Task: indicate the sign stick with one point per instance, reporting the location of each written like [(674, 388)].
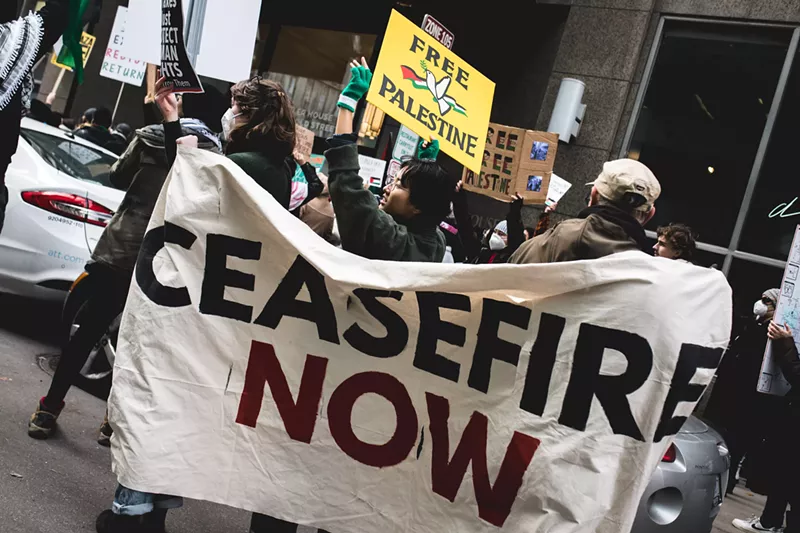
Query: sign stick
[(119, 97)]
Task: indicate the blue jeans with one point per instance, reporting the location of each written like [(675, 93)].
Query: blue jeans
[(131, 502)]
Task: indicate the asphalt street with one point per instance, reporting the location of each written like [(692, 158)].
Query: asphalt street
[(61, 485)]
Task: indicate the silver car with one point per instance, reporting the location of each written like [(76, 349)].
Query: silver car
[(686, 491)]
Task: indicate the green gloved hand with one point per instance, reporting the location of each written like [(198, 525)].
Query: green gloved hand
[(427, 149), (360, 78)]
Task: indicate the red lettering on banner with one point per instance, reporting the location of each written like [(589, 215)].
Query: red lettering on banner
[(494, 502), (340, 410), (300, 417)]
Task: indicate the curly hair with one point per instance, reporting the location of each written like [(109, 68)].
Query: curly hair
[(270, 126), (681, 238)]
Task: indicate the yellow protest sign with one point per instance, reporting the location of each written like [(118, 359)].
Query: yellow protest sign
[(87, 43), (432, 91)]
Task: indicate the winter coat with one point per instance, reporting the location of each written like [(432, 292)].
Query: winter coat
[(274, 176), (368, 231), (474, 249), (597, 232), (141, 170), (102, 138)]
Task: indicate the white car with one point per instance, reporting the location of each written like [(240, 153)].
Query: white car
[(60, 199)]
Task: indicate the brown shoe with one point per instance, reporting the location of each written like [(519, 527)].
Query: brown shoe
[(42, 424)]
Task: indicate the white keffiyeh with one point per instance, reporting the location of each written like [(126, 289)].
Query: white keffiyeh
[(19, 45)]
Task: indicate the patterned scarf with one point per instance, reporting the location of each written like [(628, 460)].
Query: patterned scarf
[(19, 45)]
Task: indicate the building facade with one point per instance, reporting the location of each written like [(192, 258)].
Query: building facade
[(702, 91)]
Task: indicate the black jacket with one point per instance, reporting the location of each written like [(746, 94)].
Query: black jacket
[(474, 249), (141, 170), (102, 137)]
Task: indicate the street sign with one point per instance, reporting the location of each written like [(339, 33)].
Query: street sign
[(433, 27)]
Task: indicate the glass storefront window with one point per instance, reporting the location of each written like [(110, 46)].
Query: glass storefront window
[(775, 210), (312, 66), (703, 117), (748, 281)]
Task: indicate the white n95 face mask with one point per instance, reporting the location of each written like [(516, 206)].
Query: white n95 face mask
[(228, 120), (496, 242), (760, 310)]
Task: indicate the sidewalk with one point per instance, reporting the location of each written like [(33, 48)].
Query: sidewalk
[(741, 504)]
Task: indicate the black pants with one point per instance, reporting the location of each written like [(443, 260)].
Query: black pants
[(266, 524), (774, 510), (109, 289)]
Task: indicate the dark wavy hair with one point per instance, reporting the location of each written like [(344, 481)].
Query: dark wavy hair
[(681, 238), (270, 126)]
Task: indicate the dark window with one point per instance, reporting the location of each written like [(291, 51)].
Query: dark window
[(749, 280), (703, 118), (775, 210), (72, 158)]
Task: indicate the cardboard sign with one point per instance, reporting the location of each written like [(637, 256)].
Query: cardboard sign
[(175, 64), (787, 312), (115, 64), (514, 161), (397, 397), (436, 29), (87, 44), (428, 88), (557, 189), (304, 141)]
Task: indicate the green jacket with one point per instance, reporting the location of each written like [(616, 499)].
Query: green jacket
[(364, 228)]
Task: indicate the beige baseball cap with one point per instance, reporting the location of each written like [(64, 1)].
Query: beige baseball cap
[(625, 176)]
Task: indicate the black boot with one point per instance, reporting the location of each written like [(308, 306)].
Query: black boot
[(156, 521), (108, 522)]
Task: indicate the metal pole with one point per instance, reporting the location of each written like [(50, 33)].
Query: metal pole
[(762, 150), (116, 106)]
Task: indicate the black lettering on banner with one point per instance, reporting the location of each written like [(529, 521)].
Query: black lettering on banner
[(432, 329), (585, 382), (433, 56), (472, 143), (690, 359), (218, 276), (396, 337), (153, 242), (399, 98), (489, 346), (417, 44), (541, 362), (284, 302)]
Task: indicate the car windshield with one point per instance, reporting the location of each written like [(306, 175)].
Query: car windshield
[(72, 158)]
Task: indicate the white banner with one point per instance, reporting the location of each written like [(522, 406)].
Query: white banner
[(262, 368)]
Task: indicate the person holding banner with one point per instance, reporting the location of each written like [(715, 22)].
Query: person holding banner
[(141, 171), (404, 227), (259, 129), (22, 42), (621, 202)]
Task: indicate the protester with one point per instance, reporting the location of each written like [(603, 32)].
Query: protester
[(259, 129), (141, 170), (621, 202), (96, 128), (404, 226), (507, 236), (787, 463), (318, 213), (306, 184), (22, 42), (675, 241), (124, 132), (735, 405)]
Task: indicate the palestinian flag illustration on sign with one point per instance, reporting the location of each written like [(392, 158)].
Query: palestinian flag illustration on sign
[(437, 88)]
